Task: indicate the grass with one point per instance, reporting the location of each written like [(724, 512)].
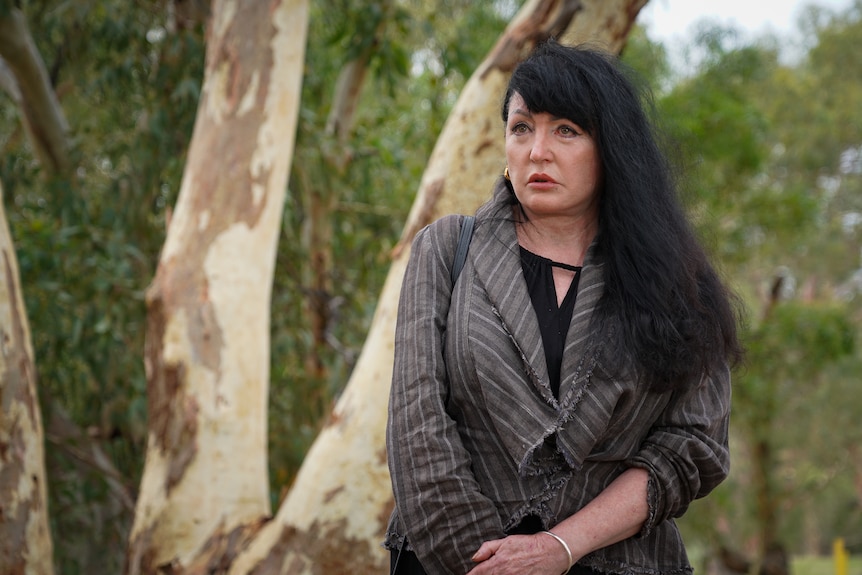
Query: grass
[(822, 565)]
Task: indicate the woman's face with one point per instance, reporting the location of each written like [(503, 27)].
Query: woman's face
[(553, 164)]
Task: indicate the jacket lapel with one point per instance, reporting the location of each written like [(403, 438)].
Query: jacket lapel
[(579, 338), (498, 267), (496, 262)]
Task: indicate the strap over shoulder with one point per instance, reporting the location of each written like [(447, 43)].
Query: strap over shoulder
[(463, 245)]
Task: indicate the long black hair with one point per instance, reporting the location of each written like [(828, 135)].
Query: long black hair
[(669, 310)]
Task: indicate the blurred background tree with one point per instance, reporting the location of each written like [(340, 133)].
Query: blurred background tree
[(351, 188), (773, 152), (88, 241), (128, 78)]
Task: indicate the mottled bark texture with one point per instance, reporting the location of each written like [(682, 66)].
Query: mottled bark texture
[(334, 516), (25, 538), (204, 491), (202, 505)]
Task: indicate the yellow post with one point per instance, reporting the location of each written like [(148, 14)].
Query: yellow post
[(839, 552)]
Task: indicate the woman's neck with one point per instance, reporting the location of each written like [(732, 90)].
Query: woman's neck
[(561, 239)]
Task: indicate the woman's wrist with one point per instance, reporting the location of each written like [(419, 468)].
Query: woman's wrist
[(565, 546)]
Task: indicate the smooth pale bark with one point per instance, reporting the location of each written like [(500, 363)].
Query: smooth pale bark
[(334, 516), (43, 117), (204, 490), (25, 538)]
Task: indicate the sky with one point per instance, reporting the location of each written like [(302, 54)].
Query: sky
[(672, 21)]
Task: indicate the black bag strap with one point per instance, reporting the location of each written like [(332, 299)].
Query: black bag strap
[(464, 237), (463, 246)]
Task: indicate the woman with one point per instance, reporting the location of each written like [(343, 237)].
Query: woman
[(554, 409)]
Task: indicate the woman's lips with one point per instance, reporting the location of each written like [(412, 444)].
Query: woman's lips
[(541, 181)]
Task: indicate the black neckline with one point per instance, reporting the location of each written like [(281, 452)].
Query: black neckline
[(551, 262)]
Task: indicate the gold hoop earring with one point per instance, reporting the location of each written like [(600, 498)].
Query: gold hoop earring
[(506, 174)]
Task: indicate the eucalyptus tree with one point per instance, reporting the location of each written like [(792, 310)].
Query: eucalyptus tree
[(25, 538), (324, 507), (108, 215), (814, 185), (332, 262), (94, 132)]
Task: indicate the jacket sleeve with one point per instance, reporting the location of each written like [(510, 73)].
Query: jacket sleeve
[(437, 498), (686, 451)]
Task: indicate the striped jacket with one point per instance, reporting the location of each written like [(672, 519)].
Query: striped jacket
[(476, 440)]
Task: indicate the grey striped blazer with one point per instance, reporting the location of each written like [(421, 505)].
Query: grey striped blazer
[(476, 440)]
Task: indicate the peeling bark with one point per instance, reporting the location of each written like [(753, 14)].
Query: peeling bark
[(548, 19), (325, 553), (204, 491), (203, 325), (220, 550), (25, 539), (461, 149), (341, 498)]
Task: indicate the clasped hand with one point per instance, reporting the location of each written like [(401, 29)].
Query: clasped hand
[(520, 554)]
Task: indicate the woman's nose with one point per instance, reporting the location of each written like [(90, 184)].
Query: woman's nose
[(540, 150)]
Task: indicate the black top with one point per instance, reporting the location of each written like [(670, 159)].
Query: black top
[(553, 320)]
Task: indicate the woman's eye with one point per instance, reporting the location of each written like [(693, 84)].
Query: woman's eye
[(568, 131), (519, 128)]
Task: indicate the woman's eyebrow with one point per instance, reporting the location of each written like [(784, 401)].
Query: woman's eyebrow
[(529, 114)]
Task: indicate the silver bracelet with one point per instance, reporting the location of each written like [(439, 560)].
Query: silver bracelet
[(565, 546)]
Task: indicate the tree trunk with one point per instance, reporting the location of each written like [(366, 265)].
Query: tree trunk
[(320, 194), (772, 558), (763, 465), (25, 537), (317, 233), (203, 500), (204, 490), (334, 516), (43, 117)]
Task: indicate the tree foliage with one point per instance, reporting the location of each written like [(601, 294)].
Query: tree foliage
[(128, 78), (88, 241), (415, 73), (773, 152), (770, 149)]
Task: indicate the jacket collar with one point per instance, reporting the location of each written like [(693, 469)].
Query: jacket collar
[(498, 267)]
